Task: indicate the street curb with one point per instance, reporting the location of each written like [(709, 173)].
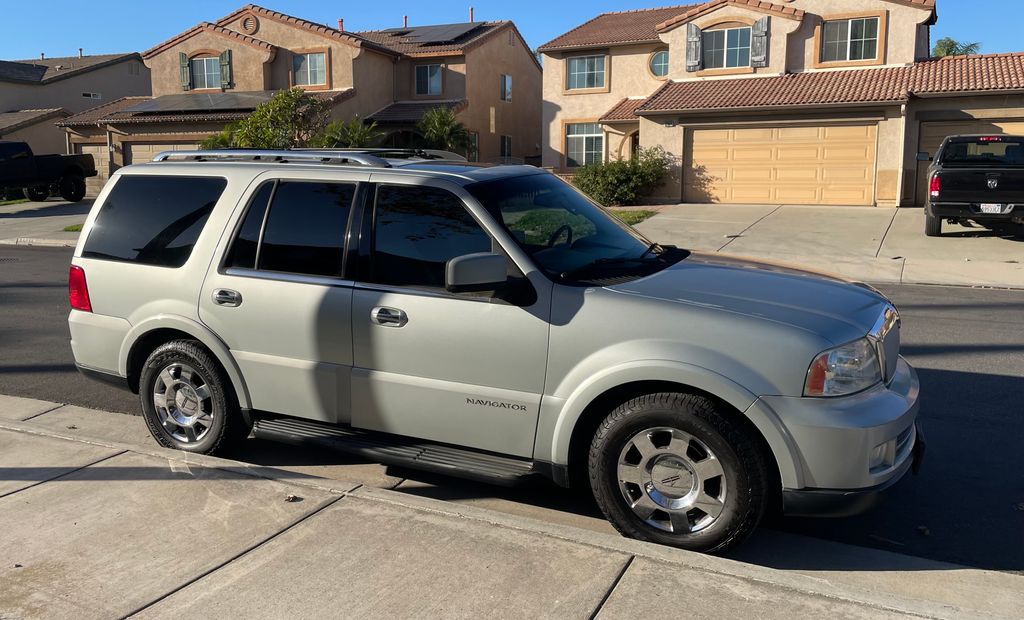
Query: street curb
[(64, 243), (715, 565)]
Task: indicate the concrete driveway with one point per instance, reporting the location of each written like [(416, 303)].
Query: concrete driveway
[(874, 244), (42, 223)]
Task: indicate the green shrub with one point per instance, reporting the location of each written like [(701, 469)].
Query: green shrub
[(624, 182), (633, 216)]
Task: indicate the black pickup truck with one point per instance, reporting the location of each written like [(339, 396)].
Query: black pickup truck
[(40, 175), (977, 179)]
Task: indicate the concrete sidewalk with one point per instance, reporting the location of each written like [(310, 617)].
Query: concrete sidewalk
[(42, 223), (95, 527), (870, 244)]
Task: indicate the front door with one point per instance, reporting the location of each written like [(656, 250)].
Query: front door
[(280, 303), (465, 369)]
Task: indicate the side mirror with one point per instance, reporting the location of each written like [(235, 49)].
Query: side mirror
[(476, 272), (923, 156)]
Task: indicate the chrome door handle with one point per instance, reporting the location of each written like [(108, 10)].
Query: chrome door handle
[(389, 317), (227, 297)]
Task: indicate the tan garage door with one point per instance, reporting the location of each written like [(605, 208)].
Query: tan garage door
[(93, 185), (815, 165), (142, 152), (933, 133)]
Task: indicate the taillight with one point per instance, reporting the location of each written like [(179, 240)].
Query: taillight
[(78, 291), (935, 186)]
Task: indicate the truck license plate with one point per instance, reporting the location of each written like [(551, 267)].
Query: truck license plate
[(991, 208)]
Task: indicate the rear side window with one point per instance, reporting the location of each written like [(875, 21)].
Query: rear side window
[(303, 232), (153, 220)]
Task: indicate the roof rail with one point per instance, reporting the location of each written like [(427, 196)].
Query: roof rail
[(322, 156), (396, 153)]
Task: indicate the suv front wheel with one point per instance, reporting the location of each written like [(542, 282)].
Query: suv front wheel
[(671, 469), (186, 401)]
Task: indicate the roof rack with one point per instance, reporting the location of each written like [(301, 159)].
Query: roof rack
[(321, 156), (397, 153)]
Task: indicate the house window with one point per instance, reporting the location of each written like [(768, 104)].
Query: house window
[(584, 144), (310, 69), (206, 73), (727, 49), (585, 72), (659, 63), (506, 147), (428, 80), (850, 39), (506, 87)]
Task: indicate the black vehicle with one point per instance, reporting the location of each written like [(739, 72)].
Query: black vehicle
[(977, 179), (41, 175)]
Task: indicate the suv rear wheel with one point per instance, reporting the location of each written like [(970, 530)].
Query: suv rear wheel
[(671, 469), (186, 401)]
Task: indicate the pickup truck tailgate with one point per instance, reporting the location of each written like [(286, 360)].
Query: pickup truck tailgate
[(991, 185)]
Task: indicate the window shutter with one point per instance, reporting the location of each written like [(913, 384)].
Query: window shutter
[(225, 69), (694, 49), (186, 71), (759, 43)]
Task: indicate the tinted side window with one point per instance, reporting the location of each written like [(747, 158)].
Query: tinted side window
[(305, 230), (243, 250), (417, 230), (154, 220)]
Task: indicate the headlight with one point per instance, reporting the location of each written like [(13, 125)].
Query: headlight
[(844, 370)]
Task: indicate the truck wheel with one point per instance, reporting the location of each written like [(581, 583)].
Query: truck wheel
[(187, 402), (37, 193), (932, 225), (670, 468), (72, 188)]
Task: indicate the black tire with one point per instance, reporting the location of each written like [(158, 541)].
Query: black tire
[(72, 188), (743, 492), (228, 427), (37, 193), (932, 225)]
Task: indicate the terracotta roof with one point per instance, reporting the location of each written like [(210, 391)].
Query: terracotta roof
[(996, 72), (326, 31), (412, 111), (52, 69), (93, 115), (211, 28), (625, 27), (778, 10), (404, 40), (13, 121), (624, 110)]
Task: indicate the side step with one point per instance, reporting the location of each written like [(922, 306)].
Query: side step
[(399, 451)]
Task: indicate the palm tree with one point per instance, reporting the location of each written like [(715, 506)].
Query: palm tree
[(352, 134), (442, 130), (951, 47)]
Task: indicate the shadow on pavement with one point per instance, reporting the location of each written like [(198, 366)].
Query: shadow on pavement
[(33, 209)]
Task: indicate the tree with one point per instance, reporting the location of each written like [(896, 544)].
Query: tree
[(352, 134), (223, 140), (442, 130), (951, 47), (292, 118)]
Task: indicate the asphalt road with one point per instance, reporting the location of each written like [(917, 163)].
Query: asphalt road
[(967, 506)]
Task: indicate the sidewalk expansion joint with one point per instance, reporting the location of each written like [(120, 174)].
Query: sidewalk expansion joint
[(615, 584), (886, 233), (236, 557), (754, 223), (67, 473), (36, 415)]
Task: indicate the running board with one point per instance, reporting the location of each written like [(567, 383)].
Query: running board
[(398, 450)]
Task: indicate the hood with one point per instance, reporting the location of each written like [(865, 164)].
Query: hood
[(828, 306)]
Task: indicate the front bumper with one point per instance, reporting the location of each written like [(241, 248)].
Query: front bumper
[(849, 449)]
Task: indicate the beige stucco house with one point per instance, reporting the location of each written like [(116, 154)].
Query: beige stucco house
[(786, 102), (36, 93), (217, 73)]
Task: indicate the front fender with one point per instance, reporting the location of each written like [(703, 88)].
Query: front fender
[(199, 332), (559, 416)]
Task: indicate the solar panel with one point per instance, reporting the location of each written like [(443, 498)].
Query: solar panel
[(202, 102), (444, 33)]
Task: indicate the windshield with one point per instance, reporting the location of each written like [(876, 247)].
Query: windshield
[(984, 151), (568, 236)]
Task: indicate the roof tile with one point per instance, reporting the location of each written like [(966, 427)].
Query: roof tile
[(624, 110), (411, 111), (41, 70), (779, 10), (639, 26), (11, 121)]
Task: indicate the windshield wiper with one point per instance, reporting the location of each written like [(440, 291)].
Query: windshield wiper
[(622, 260)]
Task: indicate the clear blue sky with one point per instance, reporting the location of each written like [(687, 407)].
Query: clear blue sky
[(60, 27)]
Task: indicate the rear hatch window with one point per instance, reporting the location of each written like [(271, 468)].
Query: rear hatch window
[(153, 220), (984, 151)]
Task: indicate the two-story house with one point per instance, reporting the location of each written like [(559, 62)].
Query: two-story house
[(824, 102), (217, 73), (35, 93)]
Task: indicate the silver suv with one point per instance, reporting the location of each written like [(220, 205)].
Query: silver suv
[(491, 323)]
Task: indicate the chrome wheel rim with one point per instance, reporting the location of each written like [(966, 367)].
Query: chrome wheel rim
[(183, 402), (671, 480)]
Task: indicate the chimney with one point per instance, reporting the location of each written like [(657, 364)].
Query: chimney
[(471, 15), (81, 53), (405, 21), (42, 56), (341, 24)]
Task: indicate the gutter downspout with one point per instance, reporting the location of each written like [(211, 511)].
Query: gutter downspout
[(903, 157)]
